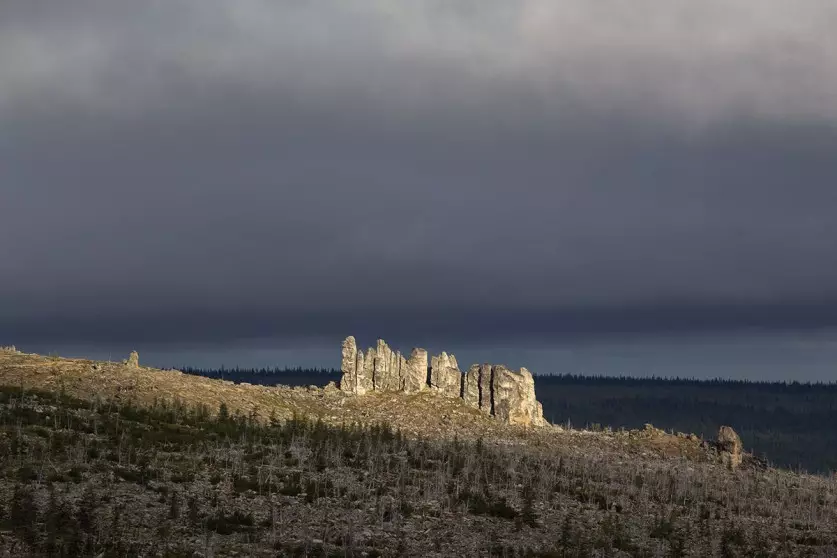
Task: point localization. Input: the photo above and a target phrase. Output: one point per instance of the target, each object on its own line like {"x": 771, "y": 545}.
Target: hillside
{"x": 118, "y": 459}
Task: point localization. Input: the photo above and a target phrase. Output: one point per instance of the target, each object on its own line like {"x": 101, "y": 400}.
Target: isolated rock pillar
{"x": 348, "y": 382}
{"x": 133, "y": 360}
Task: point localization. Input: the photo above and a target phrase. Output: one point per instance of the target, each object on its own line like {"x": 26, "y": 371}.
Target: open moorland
{"x": 113, "y": 459}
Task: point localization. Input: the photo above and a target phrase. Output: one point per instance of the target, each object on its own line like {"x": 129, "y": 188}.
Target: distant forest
{"x": 790, "y": 424}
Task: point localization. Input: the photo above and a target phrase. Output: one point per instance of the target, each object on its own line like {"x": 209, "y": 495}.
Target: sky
{"x": 212, "y": 180}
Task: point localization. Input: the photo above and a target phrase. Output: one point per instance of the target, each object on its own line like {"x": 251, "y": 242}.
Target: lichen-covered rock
{"x": 445, "y": 376}
{"x": 486, "y": 389}
{"x": 348, "y": 382}
{"x": 514, "y": 397}
{"x": 133, "y": 360}
{"x": 415, "y": 371}
{"x": 388, "y": 368}
{"x": 471, "y": 386}
{"x": 382, "y": 379}
{"x": 495, "y": 390}
{"x": 365, "y": 372}
{"x": 730, "y": 447}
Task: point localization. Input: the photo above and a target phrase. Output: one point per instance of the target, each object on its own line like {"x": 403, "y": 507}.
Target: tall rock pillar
{"x": 514, "y": 397}
{"x": 348, "y": 382}
{"x": 415, "y": 371}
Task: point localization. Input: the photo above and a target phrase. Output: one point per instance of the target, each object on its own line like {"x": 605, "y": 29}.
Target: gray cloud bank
{"x": 213, "y": 170}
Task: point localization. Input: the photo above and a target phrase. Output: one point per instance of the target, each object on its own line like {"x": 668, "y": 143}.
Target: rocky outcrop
{"x": 730, "y": 447}
{"x": 445, "y": 375}
{"x": 381, "y": 369}
{"x": 415, "y": 374}
{"x": 514, "y": 397}
{"x": 498, "y": 391}
{"x": 349, "y": 365}
{"x": 471, "y": 386}
{"x": 133, "y": 360}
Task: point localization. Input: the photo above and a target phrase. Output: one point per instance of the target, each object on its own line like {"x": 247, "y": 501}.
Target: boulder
{"x": 133, "y": 360}
{"x": 730, "y": 448}
{"x": 514, "y": 397}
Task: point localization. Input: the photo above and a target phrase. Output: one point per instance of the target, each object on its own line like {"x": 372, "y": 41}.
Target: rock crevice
{"x": 498, "y": 391}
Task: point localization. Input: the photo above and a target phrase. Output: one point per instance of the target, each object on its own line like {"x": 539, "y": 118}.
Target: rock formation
{"x": 133, "y": 360}
{"x": 498, "y": 391}
{"x": 514, "y": 397}
{"x": 445, "y": 375}
{"x": 349, "y": 366}
{"x": 730, "y": 447}
{"x": 415, "y": 374}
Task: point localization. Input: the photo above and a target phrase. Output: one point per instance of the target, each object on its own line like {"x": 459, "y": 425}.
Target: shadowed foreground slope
{"x": 106, "y": 458}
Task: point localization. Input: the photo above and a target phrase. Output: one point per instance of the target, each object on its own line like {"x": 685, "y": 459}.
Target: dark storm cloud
{"x": 208, "y": 170}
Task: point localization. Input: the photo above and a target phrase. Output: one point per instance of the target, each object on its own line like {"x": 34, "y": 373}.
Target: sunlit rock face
{"x": 514, "y": 397}
{"x": 445, "y": 375}
{"x": 496, "y": 390}
{"x": 133, "y": 360}
{"x": 415, "y": 375}
{"x": 730, "y": 447}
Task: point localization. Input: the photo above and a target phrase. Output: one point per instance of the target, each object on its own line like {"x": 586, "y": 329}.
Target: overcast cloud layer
{"x": 205, "y": 170}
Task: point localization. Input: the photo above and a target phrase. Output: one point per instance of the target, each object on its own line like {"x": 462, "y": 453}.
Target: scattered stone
{"x": 330, "y": 387}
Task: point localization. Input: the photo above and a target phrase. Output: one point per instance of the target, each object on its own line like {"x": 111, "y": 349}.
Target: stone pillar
{"x": 730, "y": 447}
{"x": 133, "y": 360}
{"x": 415, "y": 375}
{"x": 365, "y": 371}
{"x": 486, "y": 389}
{"x": 348, "y": 382}
{"x": 514, "y": 397}
{"x": 471, "y": 387}
{"x": 445, "y": 376}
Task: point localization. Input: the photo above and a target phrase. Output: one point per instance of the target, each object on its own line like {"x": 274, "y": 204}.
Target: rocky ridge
{"x": 427, "y": 411}
{"x": 496, "y": 390}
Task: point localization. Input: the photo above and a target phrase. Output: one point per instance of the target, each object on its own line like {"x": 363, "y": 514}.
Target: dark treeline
{"x": 788, "y": 423}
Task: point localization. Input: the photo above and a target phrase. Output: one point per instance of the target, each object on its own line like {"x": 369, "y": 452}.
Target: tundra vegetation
{"x": 129, "y": 471}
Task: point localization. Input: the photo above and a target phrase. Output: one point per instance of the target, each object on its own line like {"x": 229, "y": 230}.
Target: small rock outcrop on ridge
{"x": 496, "y": 390}
{"x": 133, "y": 360}
{"x": 730, "y": 447}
